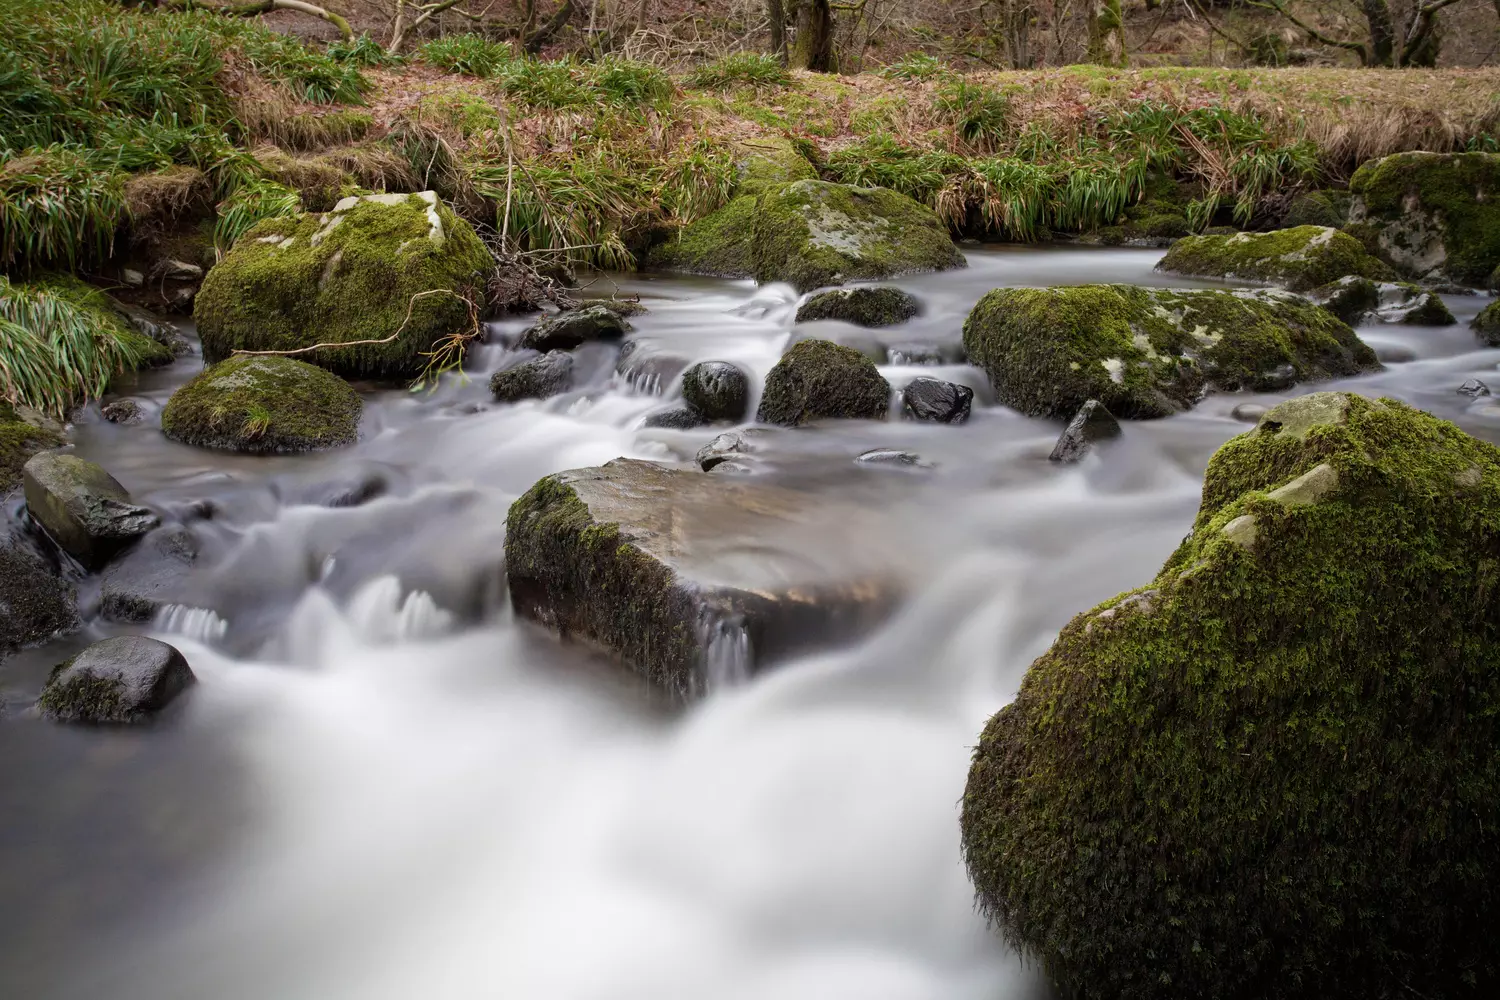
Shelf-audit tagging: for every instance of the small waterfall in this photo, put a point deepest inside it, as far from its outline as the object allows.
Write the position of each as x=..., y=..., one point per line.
x=726, y=652
x=379, y=612
x=200, y=624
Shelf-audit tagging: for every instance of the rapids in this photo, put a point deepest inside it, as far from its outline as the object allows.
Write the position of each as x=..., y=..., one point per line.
x=385, y=787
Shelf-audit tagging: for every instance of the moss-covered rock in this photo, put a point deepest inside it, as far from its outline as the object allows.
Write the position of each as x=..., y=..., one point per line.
x=872, y=307
x=813, y=233
x=19, y=440
x=1317, y=208
x=692, y=580
x=391, y=268
x=1149, y=352
x=1437, y=215
x=1486, y=324
x=1299, y=259
x=572, y=327
x=769, y=161
x=1354, y=299
x=263, y=405
x=537, y=378
x=1273, y=771
x=34, y=601
x=116, y=681
x=83, y=508
x=819, y=379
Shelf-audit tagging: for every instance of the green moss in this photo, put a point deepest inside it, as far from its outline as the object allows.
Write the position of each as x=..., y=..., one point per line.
x=316, y=129
x=469, y=115
x=87, y=696
x=722, y=244
x=1437, y=213
x=1487, y=324
x=1318, y=208
x=770, y=160
x=819, y=379
x=872, y=307
x=1272, y=773
x=263, y=405
x=362, y=274
x=34, y=601
x=18, y=442
x=1147, y=352
x=1300, y=259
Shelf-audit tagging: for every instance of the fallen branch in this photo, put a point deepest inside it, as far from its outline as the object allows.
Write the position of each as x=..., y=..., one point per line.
x=383, y=340
x=265, y=7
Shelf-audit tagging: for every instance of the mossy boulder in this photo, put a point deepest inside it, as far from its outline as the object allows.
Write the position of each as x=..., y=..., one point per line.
x=1273, y=771
x=871, y=307
x=394, y=268
x=1299, y=259
x=769, y=161
x=1354, y=299
x=263, y=405
x=1317, y=208
x=1436, y=215
x=537, y=378
x=811, y=234
x=568, y=329
x=1487, y=324
x=19, y=440
x=818, y=379
x=116, y=681
x=1150, y=352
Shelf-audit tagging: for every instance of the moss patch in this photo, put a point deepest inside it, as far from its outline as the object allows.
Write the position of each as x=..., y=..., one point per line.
x=349, y=275
x=819, y=379
x=1147, y=352
x=1487, y=324
x=1300, y=259
x=1438, y=214
x=872, y=307
x=1272, y=772
x=263, y=405
x=20, y=440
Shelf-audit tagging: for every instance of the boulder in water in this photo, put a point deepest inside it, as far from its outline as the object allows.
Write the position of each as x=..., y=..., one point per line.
x=1299, y=259
x=263, y=405
x=1091, y=424
x=717, y=389
x=1473, y=388
x=937, y=401
x=677, y=418
x=567, y=330
x=149, y=577
x=1150, y=352
x=1354, y=299
x=690, y=579
x=123, y=411
x=82, y=507
x=117, y=681
x=1487, y=324
x=538, y=378
x=1280, y=754
x=34, y=601
x=872, y=307
x=819, y=379
x=396, y=273
x=1433, y=216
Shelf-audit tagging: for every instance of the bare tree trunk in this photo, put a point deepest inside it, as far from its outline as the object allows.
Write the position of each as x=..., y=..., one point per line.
x=1382, y=32
x=776, y=14
x=813, y=48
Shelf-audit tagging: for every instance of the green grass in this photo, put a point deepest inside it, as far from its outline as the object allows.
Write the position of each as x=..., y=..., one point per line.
x=742, y=69
x=249, y=204
x=471, y=55
x=57, y=208
x=916, y=66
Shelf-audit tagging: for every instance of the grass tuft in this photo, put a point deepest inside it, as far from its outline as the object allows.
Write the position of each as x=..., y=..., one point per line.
x=742, y=69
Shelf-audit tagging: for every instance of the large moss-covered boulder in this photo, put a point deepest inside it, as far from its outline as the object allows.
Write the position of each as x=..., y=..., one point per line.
x=818, y=379
x=1434, y=215
x=263, y=405
x=694, y=580
x=394, y=268
x=813, y=233
x=1150, y=352
x=1274, y=771
x=865, y=306
x=1300, y=259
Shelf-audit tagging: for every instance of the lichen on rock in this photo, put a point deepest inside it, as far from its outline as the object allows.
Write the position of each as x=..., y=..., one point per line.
x=399, y=269
x=818, y=379
x=1434, y=216
x=1271, y=772
x=1299, y=259
x=1150, y=352
x=263, y=405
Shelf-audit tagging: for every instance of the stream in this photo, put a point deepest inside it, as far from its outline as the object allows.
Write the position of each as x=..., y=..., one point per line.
x=386, y=787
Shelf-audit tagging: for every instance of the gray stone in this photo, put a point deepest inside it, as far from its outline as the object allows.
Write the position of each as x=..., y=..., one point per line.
x=892, y=456
x=177, y=270
x=132, y=278
x=123, y=411
x=149, y=576
x=1249, y=412
x=538, y=378
x=731, y=445
x=1473, y=388
x=680, y=418
x=34, y=601
x=82, y=507
x=717, y=389
x=122, y=680
x=567, y=330
x=1092, y=423
x=938, y=401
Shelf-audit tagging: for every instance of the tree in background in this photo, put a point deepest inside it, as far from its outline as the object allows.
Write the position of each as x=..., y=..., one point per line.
x=1106, y=23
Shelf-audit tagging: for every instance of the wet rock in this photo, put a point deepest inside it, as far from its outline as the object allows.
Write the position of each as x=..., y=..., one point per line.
x=892, y=456
x=84, y=510
x=1249, y=412
x=150, y=576
x=812, y=234
x=1277, y=379
x=1299, y=259
x=936, y=400
x=567, y=330
x=538, y=378
x=1091, y=424
x=131, y=278
x=159, y=330
x=731, y=445
x=1473, y=388
x=123, y=411
x=180, y=300
x=21, y=438
x=717, y=389
x=818, y=379
x=1433, y=216
x=1150, y=352
x=177, y=270
x=1329, y=578
x=624, y=308
x=661, y=566
x=34, y=601
x=872, y=307
x=1351, y=298
x=681, y=418
x=1355, y=299
x=1487, y=324
x=119, y=681
x=263, y=405
x=645, y=369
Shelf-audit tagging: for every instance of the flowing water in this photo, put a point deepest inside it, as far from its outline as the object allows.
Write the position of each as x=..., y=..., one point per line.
x=385, y=786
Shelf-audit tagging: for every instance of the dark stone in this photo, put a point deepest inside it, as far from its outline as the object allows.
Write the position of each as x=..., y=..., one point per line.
x=872, y=307
x=149, y=576
x=892, y=456
x=717, y=389
x=923, y=353
x=731, y=445
x=936, y=400
x=84, y=510
x=34, y=601
x=538, y=378
x=1473, y=388
x=1277, y=379
x=820, y=379
x=681, y=418
x=1249, y=412
x=567, y=330
x=1350, y=298
x=1090, y=424
x=123, y=411
x=122, y=680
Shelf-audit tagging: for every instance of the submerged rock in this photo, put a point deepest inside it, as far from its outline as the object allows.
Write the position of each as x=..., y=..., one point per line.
x=646, y=369
x=936, y=400
x=567, y=330
x=395, y=272
x=149, y=577
x=1299, y=259
x=892, y=456
x=1433, y=216
x=678, y=418
x=872, y=307
x=819, y=379
x=1149, y=352
x=538, y=378
x=811, y=234
x=263, y=405
x=82, y=507
x=1092, y=423
x=717, y=389
x=735, y=446
x=116, y=681
x=1304, y=704
x=34, y=601
x=1487, y=324
x=693, y=580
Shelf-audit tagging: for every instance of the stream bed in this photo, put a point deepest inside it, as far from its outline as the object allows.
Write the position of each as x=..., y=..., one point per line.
x=387, y=787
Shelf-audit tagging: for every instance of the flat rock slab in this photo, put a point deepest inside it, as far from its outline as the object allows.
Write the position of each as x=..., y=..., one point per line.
x=693, y=580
